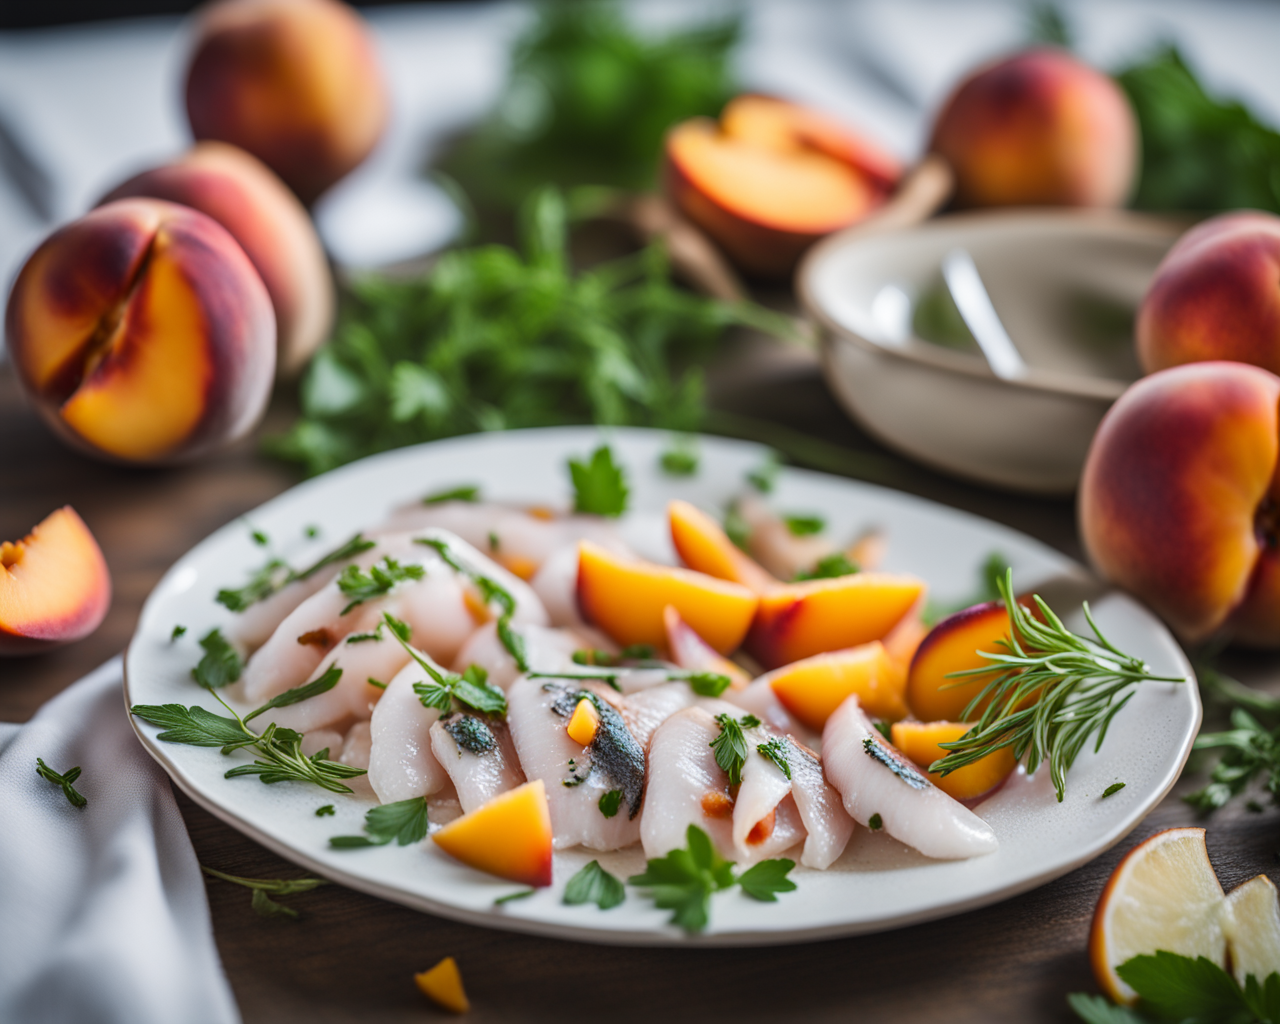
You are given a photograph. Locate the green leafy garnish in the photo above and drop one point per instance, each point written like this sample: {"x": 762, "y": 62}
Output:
{"x": 220, "y": 664}
{"x": 684, "y": 880}
{"x": 467, "y": 493}
{"x": 875, "y": 823}
{"x": 472, "y": 688}
{"x": 730, "y": 747}
{"x": 276, "y": 574}
{"x": 1112, "y": 789}
{"x": 493, "y": 593}
{"x": 599, "y": 486}
{"x": 177, "y": 632}
{"x": 776, "y": 751}
{"x": 405, "y": 821}
{"x": 1051, "y": 691}
{"x": 593, "y": 884}
{"x": 706, "y": 684}
{"x": 64, "y": 780}
{"x": 804, "y": 526}
{"x": 829, "y": 567}
{"x": 265, "y": 888}
{"x": 327, "y": 811}
{"x": 377, "y": 582}
{"x": 519, "y": 894}
{"x": 610, "y": 802}
{"x": 300, "y": 693}
{"x": 259, "y": 538}
{"x": 680, "y": 459}
{"x": 1250, "y": 750}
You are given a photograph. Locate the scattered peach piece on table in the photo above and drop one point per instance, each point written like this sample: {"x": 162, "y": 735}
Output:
{"x": 510, "y": 836}
{"x": 54, "y": 585}
{"x": 921, "y": 741}
{"x": 443, "y": 986}
{"x": 798, "y": 620}
{"x": 627, "y": 599}
{"x": 703, "y": 546}
{"x": 812, "y": 688}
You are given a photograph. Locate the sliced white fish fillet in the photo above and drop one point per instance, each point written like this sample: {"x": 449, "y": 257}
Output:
{"x": 763, "y": 787}
{"x": 774, "y": 546}
{"x": 759, "y": 699}
{"x": 874, "y": 778}
{"x": 686, "y": 786}
{"x": 537, "y": 712}
{"x": 546, "y": 650}
{"x": 648, "y": 708}
{"x": 479, "y": 755}
{"x": 401, "y": 762}
{"x": 355, "y": 748}
{"x": 827, "y": 824}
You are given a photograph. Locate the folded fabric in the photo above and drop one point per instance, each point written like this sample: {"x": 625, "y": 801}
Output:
{"x": 103, "y": 916}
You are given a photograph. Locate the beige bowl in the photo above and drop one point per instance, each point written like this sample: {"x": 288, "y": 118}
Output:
{"x": 1066, "y": 285}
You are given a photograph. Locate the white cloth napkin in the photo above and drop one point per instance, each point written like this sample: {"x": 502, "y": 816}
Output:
{"x": 103, "y": 917}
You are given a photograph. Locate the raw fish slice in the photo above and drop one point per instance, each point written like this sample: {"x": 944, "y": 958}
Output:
{"x": 690, "y": 651}
{"x": 686, "y": 786}
{"x": 774, "y": 546}
{"x": 546, "y": 650}
{"x": 537, "y": 712}
{"x": 479, "y": 756}
{"x": 438, "y": 613}
{"x": 874, "y": 778}
{"x": 759, "y": 699}
{"x": 763, "y": 787}
{"x": 775, "y": 837}
{"x": 827, "y": 824}
{"x": 401, "y": 763}
{"x": 649, "y": 708}
{"x": 355, "y": 748}
{"x": 322, "y": 739}
{"x": 528, "y": 606}
{"x": 556, "y": 584}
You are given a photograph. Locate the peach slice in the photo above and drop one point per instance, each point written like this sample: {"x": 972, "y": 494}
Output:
{"x": 1252, "y": 926}
{"x": 1163, "y": 895}
{"x": 771, "y": 179}
{"x": 690, "y": 651}
{"x": 703, "y": 546}
{"x": 921, "y": 741}
{"x": 952, "y": 646}
{"x": 443, "y": 986}
{"x": 627, "y": 600}
{"x": 583, "y": 723}
{"x": 813, "y": 688}
{"x": 798, "y": 620}
{"x": 54, "y": 585}
{"x": 143, "y": 333}
{"x": 510, "y": 836}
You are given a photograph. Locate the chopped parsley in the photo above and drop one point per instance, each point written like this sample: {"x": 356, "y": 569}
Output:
{"x": 177, "y": 632}
{"x": 707, "y": 684}
{"x": 776, "y": 751}
{"x": 875, "y": 823}
{"x": 64, "y": 780}
{"x": 730, "y": 747}
{"x": 804, "y": 526}
{"x": 519, "y": 894}
{"x": 327, "y": 811}
{"x": 469, "y": 493}
{"x": 599, "y": 485}
{"x": 830, "y": 567}
{"x": 276, "y": 574}
{"x": 736, "y": 528}
{"x": 259, "y": 538}
{"x": 610, "y": 802}
{"x": 472, "y": 688}
{"x": 377, "y": 582}
{"x": 593, "y": 884}
{"x": 220, "y": 664}
{"x": 681, "y": 458}
{"x": 1112, "y": 789}
{"x": 405, "y": 821}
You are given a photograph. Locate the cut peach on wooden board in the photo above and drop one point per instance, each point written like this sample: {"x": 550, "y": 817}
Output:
{"x": 54, "y": 585}
{"x": 771, "y": 179}
{"x": 690, "y": 651}
{"x": 1163, "y": 895}
{"x": 812, "y": 688}
{"x": 510, "y": 836}
{"x": 1252, "y": 925}
{"x": 798, "y": 620}
{"x": 703, "y": 546}
{"x": 142, "y": 332}
{"x": 627, "y": 600}
{"x": 921, "y": 741}
{"x": 443, "y": 986}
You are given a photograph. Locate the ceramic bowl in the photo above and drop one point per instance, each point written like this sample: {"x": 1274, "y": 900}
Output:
{"x": 1066, "y": 285}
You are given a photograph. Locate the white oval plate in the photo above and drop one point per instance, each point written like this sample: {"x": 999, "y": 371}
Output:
{"x": 877, "y": 884}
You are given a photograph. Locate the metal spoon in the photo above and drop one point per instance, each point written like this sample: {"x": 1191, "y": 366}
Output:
{"x": 980, "y": 316}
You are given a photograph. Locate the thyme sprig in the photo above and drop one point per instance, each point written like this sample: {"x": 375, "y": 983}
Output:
{"x": 1051, "y": 691}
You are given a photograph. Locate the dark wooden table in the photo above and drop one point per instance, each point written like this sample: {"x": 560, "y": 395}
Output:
{"x": 351, "y": 957}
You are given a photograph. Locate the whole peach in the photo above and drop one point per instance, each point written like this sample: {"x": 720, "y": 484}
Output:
{"x": 1216, "y": 295}
{"x": 142, "y": 332}
{"x": 295, "y": 82}
{"x": 243, "y": 195}
{"x": 1178, "y": 502}
{"x": 1038, "y": 128}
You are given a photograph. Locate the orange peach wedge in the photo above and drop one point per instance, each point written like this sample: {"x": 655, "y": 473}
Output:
{"x": 799, "y": 620}
{"x": 952, "y": 646}
{"x": 812, "y": 689}
{"x": 690, "y": 651}
{"x": 443, "y": 986}
{"x": 510, "y": 836}
{"x": 921, "y": 742}
{"x": 703, "y": 546}
{"x": 627, "y": 599}
{"x": 54, "y": 585}
{"x": 143, "y": 333}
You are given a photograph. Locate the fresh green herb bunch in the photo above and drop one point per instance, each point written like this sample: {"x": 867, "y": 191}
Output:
{"x": 1050, "y": 692}
{"x": 1250, "y": 749}
{"x": 491, "y": 339}
{"x": 588, "y": 102}
{"x": 1198, "y": 153}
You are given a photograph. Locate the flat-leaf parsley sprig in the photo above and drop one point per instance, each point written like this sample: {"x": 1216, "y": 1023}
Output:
{"x": 1052, "y": 691}
{"x": 276, "y": 573}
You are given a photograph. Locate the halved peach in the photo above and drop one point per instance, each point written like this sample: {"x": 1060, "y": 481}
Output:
{"x": 799, "y": 620}
{"x": 510, "y": 836}
{"x": 627, "y": 600}
{"x": 921, "y": 741}
{"x": 54, "y": 585}
{"x": 703, "y": 546}
{"x": 813, "y": 688}
{"x": 690, "y": 651}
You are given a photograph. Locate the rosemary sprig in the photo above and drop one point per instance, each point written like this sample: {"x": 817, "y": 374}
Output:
{"x": 1052, "y": 691}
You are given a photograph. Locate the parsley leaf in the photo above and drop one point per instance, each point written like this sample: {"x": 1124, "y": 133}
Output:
{"x": 804, "y": 526}
{"x": 684, "y": 880}
{"x": 327, "y": 811}
{"x": 830, "y": 567}
{"x": 275, "y": 574}
{"x": 300, "y": 693}
{"x": 466, "y": 493}
{"x": 610, "y": 802}
{"x": 405, "y": 821}
{"x": 193, "y": 726}
{"x": 600, "y": 486}
{"x": 472, "y": 688}
{"x": 64, "y": 780}
{"x": 220, "y": 664}
{"x": 177, "y": 632}
{"x": 378, "y": 581}
{"x": 708, "y": 684}
{"x": 875, "y": 823}
{"x": 776, "y": 751}
{"x": 1249, "y": 750}
{"x": 681, "y": 459}
{"x": 1098, "y": 1010}
{"x": 765, "y": 880}
{"x": 730, "y": 747}
{"x": 593, "y": 884}
{"x": 1179, "y": 987}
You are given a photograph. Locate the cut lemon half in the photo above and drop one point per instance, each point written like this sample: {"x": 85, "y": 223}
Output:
{"x": 1163, "y": 895}
{"x": 1252, "y": 926}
